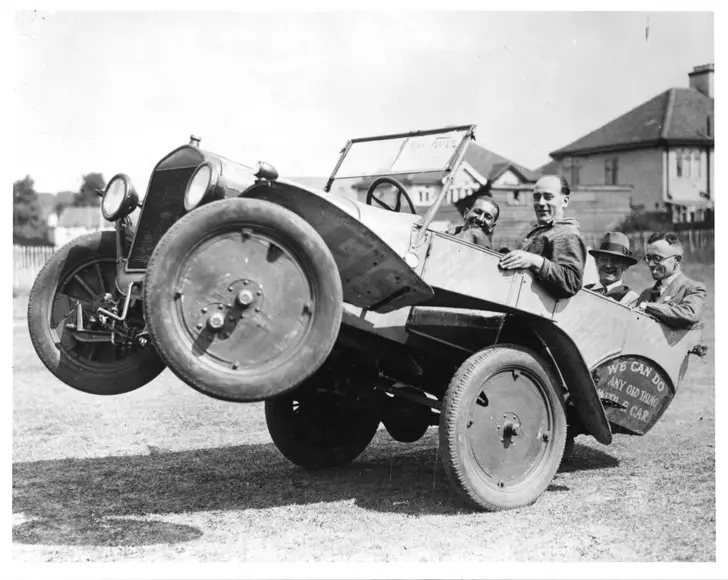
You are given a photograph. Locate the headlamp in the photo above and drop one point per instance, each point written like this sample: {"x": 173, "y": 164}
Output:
{"x": 199, "y": 185}
{"x": 266, "y": 171}
{"x": 119, "y": 199}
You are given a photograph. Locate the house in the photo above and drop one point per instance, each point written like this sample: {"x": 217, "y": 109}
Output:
{"x": 663, "y": 149}
{"x": 480, "y": 168}
{"x": 77, "y": 221}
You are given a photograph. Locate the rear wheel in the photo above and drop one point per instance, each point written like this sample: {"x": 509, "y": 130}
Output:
{"x": 321, "y": 424}
{"x": 80, "y": 273}
{"x": 243, "y": 299}
{"x": 502, "y": 428}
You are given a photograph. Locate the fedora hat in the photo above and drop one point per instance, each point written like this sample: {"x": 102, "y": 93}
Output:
{"x": 615, "y": 244}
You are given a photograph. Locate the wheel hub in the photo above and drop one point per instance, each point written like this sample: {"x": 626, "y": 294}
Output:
{"x": 243, "y": 300}
{"x": 506, "y": 426}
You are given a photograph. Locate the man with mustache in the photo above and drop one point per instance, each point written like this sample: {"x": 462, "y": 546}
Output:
{"x": 480, "y": 219}
{"x": 613, "y": 258}
{"x": 675, "y": 299}
{"x": 553, "y": 250}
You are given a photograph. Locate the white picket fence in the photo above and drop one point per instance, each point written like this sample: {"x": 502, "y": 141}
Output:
{"x": 27, "y": 262}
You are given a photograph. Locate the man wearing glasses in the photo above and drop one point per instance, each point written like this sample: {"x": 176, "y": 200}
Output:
{"x": 553, "y": 250}
{"x": 675, "y": 299}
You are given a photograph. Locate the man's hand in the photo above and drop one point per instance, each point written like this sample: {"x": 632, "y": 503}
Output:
{"x": 519, "y": 259}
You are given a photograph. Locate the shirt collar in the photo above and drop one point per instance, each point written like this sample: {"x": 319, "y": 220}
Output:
{"x": 669, "y": 280}
{"x": 610, "y": 287}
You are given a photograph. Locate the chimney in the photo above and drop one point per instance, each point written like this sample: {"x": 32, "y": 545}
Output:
{"x": 701, "y": 79}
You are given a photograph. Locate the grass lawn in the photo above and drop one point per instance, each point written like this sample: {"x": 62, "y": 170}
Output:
{"x": 167, "y": 474}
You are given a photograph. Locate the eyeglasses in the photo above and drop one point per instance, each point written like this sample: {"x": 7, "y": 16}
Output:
{"x": 658, "y": 259}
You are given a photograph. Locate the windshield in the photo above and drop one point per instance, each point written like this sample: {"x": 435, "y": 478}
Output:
{"x": 419, "y": 152}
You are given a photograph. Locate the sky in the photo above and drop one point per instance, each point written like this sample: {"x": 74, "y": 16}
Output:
{"x": 115, "y": 91}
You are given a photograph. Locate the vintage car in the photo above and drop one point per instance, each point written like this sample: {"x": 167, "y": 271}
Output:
{"x": 342, "y": 315}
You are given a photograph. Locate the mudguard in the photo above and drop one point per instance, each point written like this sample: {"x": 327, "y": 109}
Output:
{"x": 373, "y": 275}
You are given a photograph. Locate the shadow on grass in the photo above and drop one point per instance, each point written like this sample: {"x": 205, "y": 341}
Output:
{"x": 584, "y": 458}
{"x": 106, "y": 501}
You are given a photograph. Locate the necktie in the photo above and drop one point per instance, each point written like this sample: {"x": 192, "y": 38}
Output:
{"x": 656, "y": 290}
{"x": 602, "y": 291}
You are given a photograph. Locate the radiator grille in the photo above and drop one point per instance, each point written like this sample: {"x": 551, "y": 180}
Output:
{"x": 163, "y": 206}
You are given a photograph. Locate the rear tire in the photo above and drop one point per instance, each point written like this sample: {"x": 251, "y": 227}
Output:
{"x": 502, "y": 428}
{"x": 83, "y": 270}
{"x": 317, "y": 425}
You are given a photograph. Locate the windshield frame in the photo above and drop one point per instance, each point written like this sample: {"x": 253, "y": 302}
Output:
{"x": 468, "y": 134}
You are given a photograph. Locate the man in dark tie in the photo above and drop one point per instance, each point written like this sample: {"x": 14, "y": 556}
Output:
{"x": 613, "y": 258}
{"x": 675, "y": 299}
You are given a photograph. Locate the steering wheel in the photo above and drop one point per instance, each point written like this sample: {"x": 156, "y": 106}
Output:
{"x": 401, "y": 191}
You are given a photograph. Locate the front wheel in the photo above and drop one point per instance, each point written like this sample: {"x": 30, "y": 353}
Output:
{"x": 243, "y": 299}
{"x": 502, "y": 428}
{"x": 76, "y": 278}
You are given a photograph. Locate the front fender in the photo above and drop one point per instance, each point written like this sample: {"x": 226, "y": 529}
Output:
{"x": 577, "y": 378}
{"x": 373, "y": 274}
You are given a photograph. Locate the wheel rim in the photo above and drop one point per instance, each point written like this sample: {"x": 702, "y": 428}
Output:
{"x": 509, "y": 428}
{"x": 243, "y": 303}
{"x": 86, "y": 285}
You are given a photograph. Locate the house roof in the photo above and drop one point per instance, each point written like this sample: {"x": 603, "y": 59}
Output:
{"x": 81, "y": 217}
{"x": 550, "y": 168}
{"x": 677, "y": 115}
{"x": 492, "y": 165}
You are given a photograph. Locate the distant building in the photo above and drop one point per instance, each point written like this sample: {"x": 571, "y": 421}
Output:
{"x": 78, "y": 221}
{"x": 662, "y": 148}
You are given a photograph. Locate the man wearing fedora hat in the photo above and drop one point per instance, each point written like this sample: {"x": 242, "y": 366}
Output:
{"x": 614, "y": 257}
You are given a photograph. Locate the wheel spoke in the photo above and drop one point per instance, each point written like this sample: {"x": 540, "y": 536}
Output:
{"x": 102, "y": 285}
{"x": 85, "y": 286}
{"x": 92, "y": 350}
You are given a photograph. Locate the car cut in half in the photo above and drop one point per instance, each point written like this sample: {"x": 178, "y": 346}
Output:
{"x": 342, "y": 315}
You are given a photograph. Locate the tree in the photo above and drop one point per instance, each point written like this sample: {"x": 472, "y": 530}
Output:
{"x": 87, "y": 194}
{"x": 28, "y": 224}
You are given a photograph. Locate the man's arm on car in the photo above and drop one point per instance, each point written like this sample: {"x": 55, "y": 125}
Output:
{"x": 685, "y": 313}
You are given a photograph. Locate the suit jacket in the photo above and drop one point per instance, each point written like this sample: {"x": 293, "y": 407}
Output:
{"x": 681, "y": 303}
{"x": 621, "y": 294}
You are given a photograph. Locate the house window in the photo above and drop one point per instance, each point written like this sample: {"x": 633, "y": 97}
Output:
{"x": 686, "y": 162}
{"x": 611, "y": 171}
{"x": 424, "y": 196}
{"x": 516, "y": 198}
{"x": 574, "y": 177}
{"x": 695, "y": 165}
